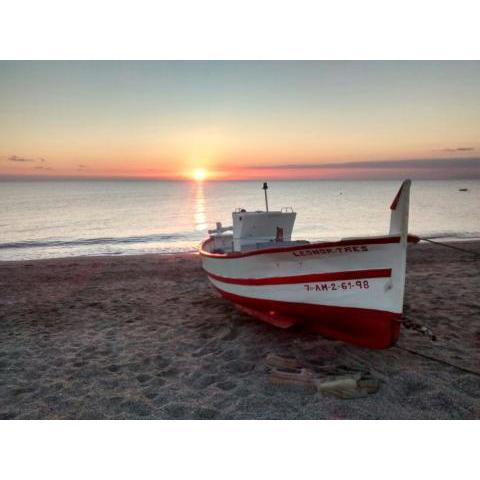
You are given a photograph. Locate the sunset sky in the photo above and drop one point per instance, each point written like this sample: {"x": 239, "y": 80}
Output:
{"x": 240, "y": 120}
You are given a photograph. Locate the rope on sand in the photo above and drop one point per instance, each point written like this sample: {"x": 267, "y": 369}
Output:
{"x": 464, "y": 250}
{"x": 439, "y": 360}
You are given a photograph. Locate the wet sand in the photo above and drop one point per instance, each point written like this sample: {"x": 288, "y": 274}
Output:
{"x": 145, "y": 337}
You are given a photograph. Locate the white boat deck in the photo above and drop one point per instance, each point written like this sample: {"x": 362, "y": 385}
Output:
{"x": 224, "y": 244}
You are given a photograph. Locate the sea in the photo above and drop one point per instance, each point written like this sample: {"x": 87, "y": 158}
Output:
{"x": 48, "y": 219}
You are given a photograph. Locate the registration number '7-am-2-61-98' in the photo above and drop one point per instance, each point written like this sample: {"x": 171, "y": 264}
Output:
{"x": 332, "y": 286}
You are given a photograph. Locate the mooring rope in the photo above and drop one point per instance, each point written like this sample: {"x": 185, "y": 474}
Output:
{"x": 464, "y": 250}
{"x": 439, "y": 360}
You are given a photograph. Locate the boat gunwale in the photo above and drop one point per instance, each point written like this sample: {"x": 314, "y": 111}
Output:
{"x": 339, "y": 243}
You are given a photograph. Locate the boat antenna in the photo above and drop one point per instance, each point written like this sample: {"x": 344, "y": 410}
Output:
{"x": 265, "y": 188}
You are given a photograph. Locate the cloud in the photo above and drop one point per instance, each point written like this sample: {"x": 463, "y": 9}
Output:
{"x": 458, "y": 149}
{"x": 15, "y": 158}
{"x": 81, "y": 167}
{"x": 40, "y": 167}
{"x": 430, "y": 163}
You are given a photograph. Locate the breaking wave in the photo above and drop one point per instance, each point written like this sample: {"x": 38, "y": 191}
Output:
{"x": 45, "y": 243}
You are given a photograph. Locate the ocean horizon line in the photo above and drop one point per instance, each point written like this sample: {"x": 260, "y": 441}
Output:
{"x": 26, "y": 178}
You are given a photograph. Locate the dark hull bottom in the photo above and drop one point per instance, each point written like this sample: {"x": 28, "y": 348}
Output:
{"x": 360, "y": 326}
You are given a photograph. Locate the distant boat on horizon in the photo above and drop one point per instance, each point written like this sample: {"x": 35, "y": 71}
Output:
{"x": 351, "y": 290}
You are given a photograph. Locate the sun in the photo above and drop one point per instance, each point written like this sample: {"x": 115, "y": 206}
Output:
{"x": 199, "y": 174}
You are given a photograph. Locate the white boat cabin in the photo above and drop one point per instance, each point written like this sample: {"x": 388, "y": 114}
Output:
{"x": 255, "y": 230}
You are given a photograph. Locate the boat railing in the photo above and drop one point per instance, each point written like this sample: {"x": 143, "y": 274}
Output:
{"x": 219, "y": 229}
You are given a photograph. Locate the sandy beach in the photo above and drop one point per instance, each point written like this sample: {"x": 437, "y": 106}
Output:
{"x": 145, "y": 337}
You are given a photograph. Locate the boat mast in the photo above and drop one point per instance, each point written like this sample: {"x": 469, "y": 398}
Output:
{"x": 265, "y": 188}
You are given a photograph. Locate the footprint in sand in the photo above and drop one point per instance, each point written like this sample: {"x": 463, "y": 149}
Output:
{"x": 226, "y": 385}
{"x": 201, "y": 352}
{"x": 205, "y": 413}
{"x": 135, "y": 408}
{"x": 115, "y": 400}
{"x": 7, "y": 415}
{"x": 176, "y": 410}
{"x": 203, "y": 382}
{"x": 142, "y": 378}
{"x": 169, "y": 372}
{"x": 151, "y": 395}
{"x": 238, "y": 366}
{"x": 229, "y": 334}
{"x": 161, "y": 362}
{"x": 229, "y": 355}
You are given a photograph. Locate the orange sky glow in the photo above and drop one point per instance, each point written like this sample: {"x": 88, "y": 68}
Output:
{"x": 239, "y": 120}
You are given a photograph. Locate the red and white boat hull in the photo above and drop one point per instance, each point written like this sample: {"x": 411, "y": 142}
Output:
{"x": 351, "y": 290}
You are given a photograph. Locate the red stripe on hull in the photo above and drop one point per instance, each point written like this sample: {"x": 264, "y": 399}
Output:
{"x": 360, "y": 326}
{"x": 316, "y": 277}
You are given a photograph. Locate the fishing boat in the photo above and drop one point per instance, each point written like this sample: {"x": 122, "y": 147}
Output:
{"x": 351, "y": 289}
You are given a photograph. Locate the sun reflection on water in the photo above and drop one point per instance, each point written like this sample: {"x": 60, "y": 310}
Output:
{"x": 200, "y": 217}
